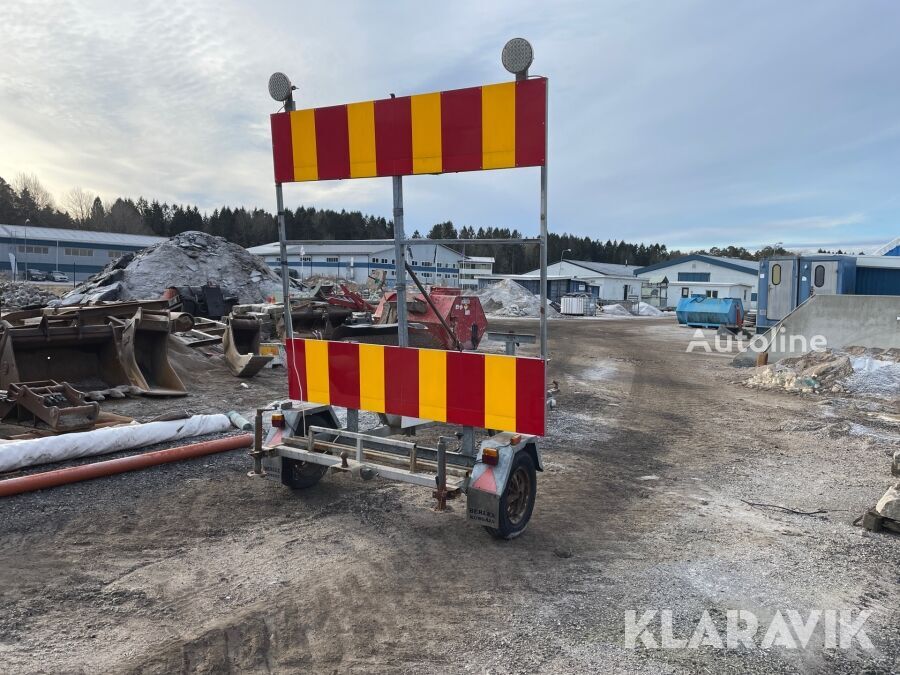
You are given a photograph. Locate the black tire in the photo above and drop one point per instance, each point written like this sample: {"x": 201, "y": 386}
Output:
{"x": 517, "y": 500}
{"x": 299, "y": 475}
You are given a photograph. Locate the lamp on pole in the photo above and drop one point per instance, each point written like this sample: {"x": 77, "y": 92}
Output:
{"x": 562, "y": 256}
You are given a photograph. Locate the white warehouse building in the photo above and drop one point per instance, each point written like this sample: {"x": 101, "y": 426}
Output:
{"x": 609, "y": 282}
{"x": 358, "y": 261}
{"x": 712, "y": 276}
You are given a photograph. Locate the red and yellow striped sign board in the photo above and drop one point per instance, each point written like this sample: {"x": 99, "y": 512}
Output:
{"x": 496, "y": 126}
{"x": 480, "y": 390}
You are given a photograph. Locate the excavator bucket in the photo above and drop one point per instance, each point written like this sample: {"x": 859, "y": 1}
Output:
{"x": 241, "y": 344}
{"x": 145, "y": 354}
{"x": 65, "y": 350}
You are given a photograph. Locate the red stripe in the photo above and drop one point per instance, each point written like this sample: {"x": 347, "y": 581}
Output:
{"x": 296, "y": 358}
{"x": 343, "y": 374}
{"x": 393, "y": 137}
{"x": 530, "y": 394}
{"x": 332, "y": 142}
{"x": 282, "y": 148}
{"x": 531, "y": 122}
{"x": 401, "y": 381}
{"x": 461, "y": 129}
{"x": 465, "y": 388}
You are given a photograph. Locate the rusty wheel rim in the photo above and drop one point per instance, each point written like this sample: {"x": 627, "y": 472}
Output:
{"x": 517, "y": 496}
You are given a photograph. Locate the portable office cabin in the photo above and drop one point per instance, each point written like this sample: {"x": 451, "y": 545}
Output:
{"x": 785, "y": 282}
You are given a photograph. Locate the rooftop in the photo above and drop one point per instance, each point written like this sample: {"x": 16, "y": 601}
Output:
{"x": 77, "y": 236}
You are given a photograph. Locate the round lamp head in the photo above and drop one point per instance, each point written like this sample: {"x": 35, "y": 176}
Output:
{"x": 517, "y": 55}
{"x": 280, "y": 87}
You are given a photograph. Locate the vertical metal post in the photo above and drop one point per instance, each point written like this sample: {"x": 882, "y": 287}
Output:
{"x": 544, "y": 261}
{"x": 400, "y": 264}
{"x": 544, "y": 231}
{"x": 285, "y": 278}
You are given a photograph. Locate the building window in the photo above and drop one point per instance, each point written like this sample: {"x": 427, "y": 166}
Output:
{"x": 712, "y": 294}
{"x": 753, "y": 297}
{"x": 685, "y": 292}
{"x": 819, "y": 276}
{"x": 82, "y": 252}
{"x": 37, "y": 250}
{"x": 306, "y": 258}
{"x": 693, "y": 276}
{"x": 331, "y": 260}
{"x": 776, "y": 274}
{"x": 114, "y": 254}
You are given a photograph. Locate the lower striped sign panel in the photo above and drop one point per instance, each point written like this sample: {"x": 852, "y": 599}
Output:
{"x": 491, "y": 391}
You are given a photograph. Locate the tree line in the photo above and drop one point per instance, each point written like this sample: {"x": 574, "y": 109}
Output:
{"x": 26, "y": 199}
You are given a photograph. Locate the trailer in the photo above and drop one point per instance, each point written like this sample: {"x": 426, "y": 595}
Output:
{"x": 496, "y": 126}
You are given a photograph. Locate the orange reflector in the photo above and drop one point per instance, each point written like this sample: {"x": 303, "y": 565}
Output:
{"x": 515, "y": 440}
{"x": 490, "y": 456}
{"x": 278, "y": 420}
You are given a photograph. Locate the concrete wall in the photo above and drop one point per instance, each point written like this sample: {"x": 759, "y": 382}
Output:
{"x": 843, "y": 320}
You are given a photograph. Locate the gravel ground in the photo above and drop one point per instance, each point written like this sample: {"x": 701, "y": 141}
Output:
{"x": 194, "y": 567}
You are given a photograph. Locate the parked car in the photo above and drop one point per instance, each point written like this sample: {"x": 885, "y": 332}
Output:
{"x": 58, "y": 276}
{"x": 35, "y": 275}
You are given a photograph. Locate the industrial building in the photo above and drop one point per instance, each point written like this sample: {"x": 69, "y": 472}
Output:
{"x": 608, "y": 282}
{"x": 77, "y": 253}
{"x": 605, "y": 282}
{"x": 707, "y": 275}
{"x": 786, "y": 282}
{"x": 473, "y": 267}
{"x": 358, "y": 261}
{"x": 892, "y": 248}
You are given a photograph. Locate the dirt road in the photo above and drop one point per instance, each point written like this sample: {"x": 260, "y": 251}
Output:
{"x": 197, "y": 568}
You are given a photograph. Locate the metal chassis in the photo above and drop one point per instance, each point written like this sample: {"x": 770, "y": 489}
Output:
{"x": 366, "y": 455}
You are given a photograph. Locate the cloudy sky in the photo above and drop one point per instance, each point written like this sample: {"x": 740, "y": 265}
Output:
{"x": 692, "y": 122}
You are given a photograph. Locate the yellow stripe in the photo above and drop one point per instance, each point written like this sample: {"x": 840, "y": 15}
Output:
{"x": 500, "y": 392}
{"x": 371, "y": 377}
{"x": 433, "y": 385}
{"x": 426, "y": 133}
{"x": 317, "y": 372}
{"x": 303, "y": 138}
{"x": 498, "y": 125}
{"x": 361, "y": 129}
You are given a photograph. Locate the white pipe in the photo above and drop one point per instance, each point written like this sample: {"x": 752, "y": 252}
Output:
{"x": 19, "y": 454}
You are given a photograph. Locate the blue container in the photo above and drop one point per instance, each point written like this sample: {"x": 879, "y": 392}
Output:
{"x": 701, "y": 312}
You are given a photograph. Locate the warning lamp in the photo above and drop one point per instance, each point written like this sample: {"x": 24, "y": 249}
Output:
{"x": 517, "y": 56}
{"x": 280, "y": 87}
{"x": 278, "y": 420}
{"x": 490, "y": 456}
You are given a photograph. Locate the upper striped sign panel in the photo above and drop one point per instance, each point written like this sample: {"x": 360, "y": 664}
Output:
{"x": 497, "y": 126}
{"x": 480, "y": 390}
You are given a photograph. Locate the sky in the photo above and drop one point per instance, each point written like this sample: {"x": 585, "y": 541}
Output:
{"x": 693, "y": 123}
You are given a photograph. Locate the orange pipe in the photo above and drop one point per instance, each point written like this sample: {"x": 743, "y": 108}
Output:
{"x": 74, "y": 474}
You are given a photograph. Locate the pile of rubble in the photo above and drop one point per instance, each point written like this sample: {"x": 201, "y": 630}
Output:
{"x": 187, "y": 259}
{"x": 508, "y": 298}
{"x": 18, "y": 294}
{"x": 858, "y": 371}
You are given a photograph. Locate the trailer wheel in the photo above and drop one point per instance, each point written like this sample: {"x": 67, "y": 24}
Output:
{"x": 299, "y": 475}
{"x": 517, "y": 500}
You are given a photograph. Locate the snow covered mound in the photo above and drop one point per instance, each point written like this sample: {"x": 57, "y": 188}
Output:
{"x": 648, "y": 310}
{"x": 508, "y": 298}
{"x": 857, "y": 371}
{"x": 187, "y": 259}
{"x": 615, "y": 310}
